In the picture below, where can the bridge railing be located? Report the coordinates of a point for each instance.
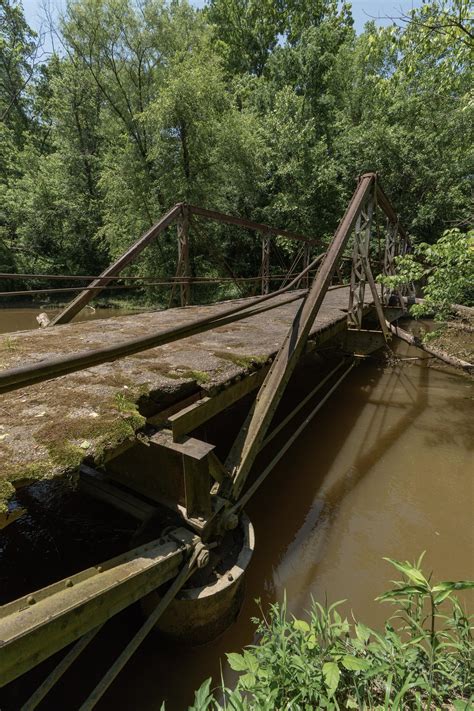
(183, 215)
(359, 218)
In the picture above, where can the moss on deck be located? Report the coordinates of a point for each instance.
(46, 430)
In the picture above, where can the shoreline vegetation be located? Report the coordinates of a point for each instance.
(421, 661)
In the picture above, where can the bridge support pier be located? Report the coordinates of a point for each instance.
(201, 612)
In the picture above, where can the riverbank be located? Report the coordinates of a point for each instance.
(453, 338)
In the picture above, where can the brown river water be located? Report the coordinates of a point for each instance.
(22, 319)
(384, 469)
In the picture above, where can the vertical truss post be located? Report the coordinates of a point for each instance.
(393, 248)
(408, 289)
(266, 243)
(306, 260)
(360, 259)
(184, 268)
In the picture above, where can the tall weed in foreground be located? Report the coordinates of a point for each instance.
(422, 659)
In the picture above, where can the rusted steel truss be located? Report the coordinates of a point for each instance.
(181, 214)
(266, 247)
(359, 215)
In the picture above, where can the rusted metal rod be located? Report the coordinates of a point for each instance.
(63, 277)
(249, 224)
(261, 478)
(175, 281)
(16, 378)
(300, 405)
(144, 630)
(60, 670)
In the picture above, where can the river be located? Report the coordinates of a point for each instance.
(384, 469)
(24, 318)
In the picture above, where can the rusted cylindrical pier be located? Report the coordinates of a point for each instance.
(199, 614)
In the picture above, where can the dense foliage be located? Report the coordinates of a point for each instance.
(422, 659)
(446, 268)
(265, 108)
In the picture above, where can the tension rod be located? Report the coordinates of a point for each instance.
(253, 488)
(144, 630)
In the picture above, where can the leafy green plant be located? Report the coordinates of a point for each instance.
(448, 268)
(422, 659)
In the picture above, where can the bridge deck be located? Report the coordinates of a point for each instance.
(47, 429)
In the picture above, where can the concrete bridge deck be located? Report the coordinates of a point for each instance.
(47, 429)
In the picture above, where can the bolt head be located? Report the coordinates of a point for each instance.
(203, 559)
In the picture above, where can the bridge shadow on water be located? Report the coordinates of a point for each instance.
(352, 488)
(319, 490)
(296, 511)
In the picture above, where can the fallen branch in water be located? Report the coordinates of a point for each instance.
(441, 355)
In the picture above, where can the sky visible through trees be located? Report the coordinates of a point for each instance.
(363, 10)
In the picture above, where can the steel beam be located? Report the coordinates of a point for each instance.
(95, 484)
(252, 434)
(114, 269)
(188, 418)
(36, 626)
(249, 224)
(363, 341)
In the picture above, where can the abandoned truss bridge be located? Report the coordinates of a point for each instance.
(123, 404)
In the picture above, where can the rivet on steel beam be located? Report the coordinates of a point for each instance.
(30, 600)
(69, 583)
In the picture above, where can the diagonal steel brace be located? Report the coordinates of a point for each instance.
(252, 434)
